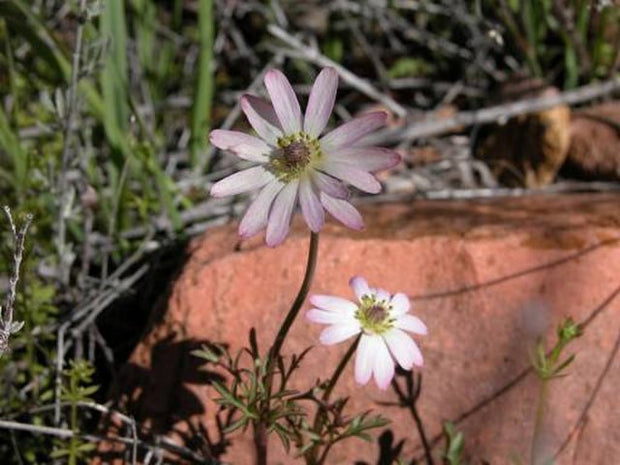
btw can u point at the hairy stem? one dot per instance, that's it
(63, 193)
(420, 426)
(274, 352)
(539, 451)
(321, 411)
(260, 427)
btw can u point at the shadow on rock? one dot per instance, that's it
(162, 401)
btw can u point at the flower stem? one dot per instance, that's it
(320, 413)
(339, 369)
(538, 441)
(274, 352)
(260, 427)
(409, 399)
(420, 426)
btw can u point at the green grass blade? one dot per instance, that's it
(201, 112)
(32, 29)
(531, 24)
(114, 77)
(9, 141)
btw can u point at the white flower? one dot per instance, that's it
(296, 162)
(382, 319)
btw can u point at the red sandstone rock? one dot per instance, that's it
(483, 275)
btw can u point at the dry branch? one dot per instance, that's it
(318, 58)
(496, 114)
(7, 325)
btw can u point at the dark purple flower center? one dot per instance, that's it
(296, 154)
(376, 314)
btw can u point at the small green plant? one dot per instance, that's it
(548, 365)
(576, 39)
(455, 445)
(76, 389)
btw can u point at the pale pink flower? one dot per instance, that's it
(295, 162)
(382, 320)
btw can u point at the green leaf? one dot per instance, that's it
(114, 77)
(203, 96)
(241, 423)
(229, 399)
(9, 141)
(334, 49)
(207, 354)
(410, 67)
(455, 444)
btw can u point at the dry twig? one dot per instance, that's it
(318, 58)
(7, 325)
(495, 114)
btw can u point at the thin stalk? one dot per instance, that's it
(538, 441)
(339, 369)
(274, 352)
(66, 153)
(320, 414)
(420, 426)
(74, 425)
(260, 427)
(203, 97)
(409, 399)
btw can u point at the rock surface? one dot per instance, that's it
(485, 276)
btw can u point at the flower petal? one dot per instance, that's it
(333, 304)
(340, 332)
(242, 181)
(316, 315)
(383, 366)
(262, 117)
(350, 132)
(331, 186)
(411, 323)
(367, 158)
(364, 359)
(354, 176)
(359, 286)
(403, 348)
(256, 216)
(321, 102)
(311, 207)
(279, 221)
(343, 211)
(400, 304)
(382, 295)
(241, 144)
(284, 101)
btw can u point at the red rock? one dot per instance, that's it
(483, 275)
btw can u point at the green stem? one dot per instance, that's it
(420, 426)
(339, 369)
(260, 427)
(321, 411)
(203, 97)
(538, 440)
(74, 424)
(274, 352)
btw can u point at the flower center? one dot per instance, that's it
(293, 156)
(374, 315)
(296, 155)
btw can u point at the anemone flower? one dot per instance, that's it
(382, 320)
(295, 162)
